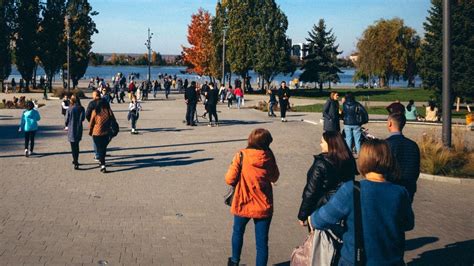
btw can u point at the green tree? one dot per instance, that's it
(82, 27)
(320, 65)
(273, 49)
(52, 47)
(219, 22)
(96, 59)
(242, 20)
(462, 34)
(157, 59)
(26, 38)
(7, 20)
(383, 51)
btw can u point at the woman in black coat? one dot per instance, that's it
(75, 115)
(331, 113)
(330, 169)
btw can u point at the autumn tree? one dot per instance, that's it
(383, 51)
(82, 27)
(52, 46)
(7, 20)
(156, 59)
(199, 55)
(26, 38)
(320, 65)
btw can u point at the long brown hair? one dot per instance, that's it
(338, 152)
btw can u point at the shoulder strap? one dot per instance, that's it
(359, 240)
(241, 156)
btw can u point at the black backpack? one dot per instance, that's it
(362, 117)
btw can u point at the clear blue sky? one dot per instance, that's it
(123, 24)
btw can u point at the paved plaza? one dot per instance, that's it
(161, 203)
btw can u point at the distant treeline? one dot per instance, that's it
(97, 59)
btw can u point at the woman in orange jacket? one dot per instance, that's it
(253, 198)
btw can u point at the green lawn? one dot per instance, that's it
(318, 108)
(388, 95)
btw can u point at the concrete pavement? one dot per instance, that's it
(161, 203)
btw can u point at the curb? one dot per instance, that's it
(446, 179)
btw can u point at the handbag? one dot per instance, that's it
(321, 247)
(359, 240)
(229, 196)
(114, 127)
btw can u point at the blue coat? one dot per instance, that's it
(74, 117)
(29, 120)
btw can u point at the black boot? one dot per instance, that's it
(231, 263)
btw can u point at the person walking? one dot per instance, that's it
(222, 93)
(167, 85)
(253, 198)
(90, 108)
(212, 99)
(131, 89)
(230, 96)
(29, 125)
(283, 98)
(65, 104)
(13, 83)
(405, 151)
(134, 109)
(239, 95)
(74, 117)
(272, 102)
(331, 168)
(331, 113)
(99, 129)
(191, 99)
(386, 210)
(354, 116)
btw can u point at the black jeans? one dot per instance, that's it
(134, 119)
(212, 112)
(75, 152)
(190, 110)
(283, 107)
(101, 143)
(30, 139)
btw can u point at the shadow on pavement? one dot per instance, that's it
(239, 122)
(124, 157)
(459, 254)
(10, 132)
(154, 162)
(286, 263)
(163, 129)
(417, 243)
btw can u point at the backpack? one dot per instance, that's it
(362, 117)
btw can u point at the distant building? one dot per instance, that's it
(300, 50)
(354, 57)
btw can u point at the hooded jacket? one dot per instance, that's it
(29, 120)
(253, 196)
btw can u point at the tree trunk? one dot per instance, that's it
(320, 86)
(329, 84)
(34, 76)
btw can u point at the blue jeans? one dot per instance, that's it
(353, 132)
(239, 101)
(262, 227)
(96, 153)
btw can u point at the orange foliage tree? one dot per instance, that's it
(198, 57)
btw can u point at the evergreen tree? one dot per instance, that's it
(52, 46)
(26, 38)
(462, 34)
(242, 21)
(82, 27)
(7, 20)
(320, 65)
(272, 55)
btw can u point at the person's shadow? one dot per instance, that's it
(456, 254)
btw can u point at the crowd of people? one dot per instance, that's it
(390, 169)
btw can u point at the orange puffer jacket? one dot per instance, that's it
(253, 192)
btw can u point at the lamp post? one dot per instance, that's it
(447, 105)
(223, 56)
(68, 32)
(148, 46)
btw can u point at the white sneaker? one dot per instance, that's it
(27, 153)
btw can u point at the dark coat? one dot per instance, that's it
(323, 180)
(407, 154)
(284, 94)
(331, 116)
(190, 95)
(74, 117)
(212, 96)
(349, 112)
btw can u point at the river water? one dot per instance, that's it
(107, 72)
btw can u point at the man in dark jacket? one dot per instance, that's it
(283, 97)
(212, 96)
(354, 115)
(331, 113)
(405, 151)
(191, 98)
